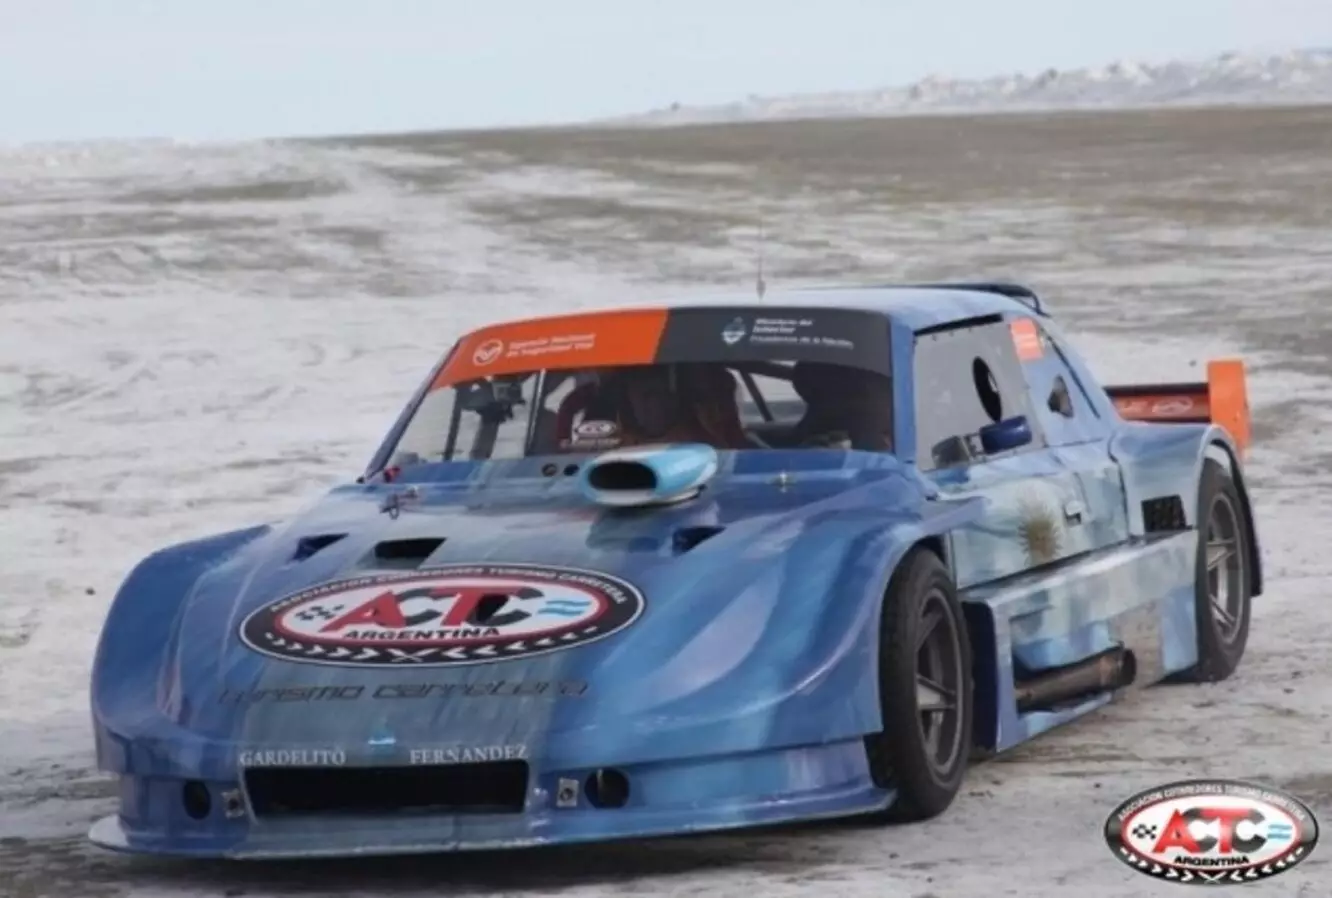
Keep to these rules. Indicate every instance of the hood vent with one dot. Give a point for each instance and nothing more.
(309, 545)
(687, 538)
(404, 554)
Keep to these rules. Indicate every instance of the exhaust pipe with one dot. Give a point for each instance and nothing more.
(1109, 670)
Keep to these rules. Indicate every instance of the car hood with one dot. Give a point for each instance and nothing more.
(737, 588)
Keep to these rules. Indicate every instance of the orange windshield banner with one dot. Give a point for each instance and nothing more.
(580, 340)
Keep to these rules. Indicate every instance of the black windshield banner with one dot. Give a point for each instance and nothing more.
(839, 336)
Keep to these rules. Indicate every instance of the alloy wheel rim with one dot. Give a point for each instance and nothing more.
(1226, 588)
(939, 679)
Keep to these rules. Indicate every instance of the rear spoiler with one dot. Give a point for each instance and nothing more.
(1223, 399)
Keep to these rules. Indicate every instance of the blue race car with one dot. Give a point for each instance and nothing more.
(651, 571)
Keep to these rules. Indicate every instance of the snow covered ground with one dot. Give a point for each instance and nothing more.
(1298, 76)
(196, 338)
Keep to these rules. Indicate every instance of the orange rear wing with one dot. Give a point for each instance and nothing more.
(1223, 399)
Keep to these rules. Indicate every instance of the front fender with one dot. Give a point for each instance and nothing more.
(139, 632)
(793, 657)
(930, 530)
(848, 689)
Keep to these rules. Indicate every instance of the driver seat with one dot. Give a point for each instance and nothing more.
(842, 399)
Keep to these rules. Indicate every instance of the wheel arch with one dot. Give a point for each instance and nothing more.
(1222, 450)
(980, 634)
(141, 625)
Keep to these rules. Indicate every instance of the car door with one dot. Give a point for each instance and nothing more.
(967, 376)
(1077, 436)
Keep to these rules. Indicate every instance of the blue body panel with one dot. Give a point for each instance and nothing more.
(740, 695)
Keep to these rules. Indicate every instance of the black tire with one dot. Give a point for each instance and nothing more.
(1222, 603)
(927, 771)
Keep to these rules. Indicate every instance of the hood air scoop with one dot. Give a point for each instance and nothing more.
(649, 475)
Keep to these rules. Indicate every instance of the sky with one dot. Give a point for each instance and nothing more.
(210, 69)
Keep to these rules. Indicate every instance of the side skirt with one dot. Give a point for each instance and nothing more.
(1054, 644)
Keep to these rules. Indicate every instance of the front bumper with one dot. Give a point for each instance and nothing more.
(777, 786)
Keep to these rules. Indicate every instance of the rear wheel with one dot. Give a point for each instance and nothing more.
(925, 691)
(1223, 584)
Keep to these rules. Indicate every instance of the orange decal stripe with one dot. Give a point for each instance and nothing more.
(580, 340)
(1027, 339)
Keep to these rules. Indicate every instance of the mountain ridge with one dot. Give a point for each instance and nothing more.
(1295, 77)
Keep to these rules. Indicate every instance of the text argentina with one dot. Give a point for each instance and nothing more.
(418, 635)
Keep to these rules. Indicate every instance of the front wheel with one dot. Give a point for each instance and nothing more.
(925, 690)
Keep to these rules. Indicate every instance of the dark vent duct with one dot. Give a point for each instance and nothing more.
(1163, 514)
(404, 553)
(687, 538)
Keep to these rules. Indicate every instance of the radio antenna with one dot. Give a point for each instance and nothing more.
(761, 286)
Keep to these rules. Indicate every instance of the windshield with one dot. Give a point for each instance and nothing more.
(780, 388)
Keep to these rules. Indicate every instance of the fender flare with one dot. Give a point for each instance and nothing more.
(1218, 445)
(142, 620)
(931, 531)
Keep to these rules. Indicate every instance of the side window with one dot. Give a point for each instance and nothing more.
(1075, 386)
(965, 379)
(1059, 400)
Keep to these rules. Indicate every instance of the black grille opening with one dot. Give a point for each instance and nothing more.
(498, 787)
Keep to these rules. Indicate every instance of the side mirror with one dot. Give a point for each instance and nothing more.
(1005, 435)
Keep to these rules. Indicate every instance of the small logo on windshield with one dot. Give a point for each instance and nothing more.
(734, 332)
(487, 352)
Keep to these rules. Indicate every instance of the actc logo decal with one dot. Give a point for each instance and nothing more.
(1211, 832)
(444, 616)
